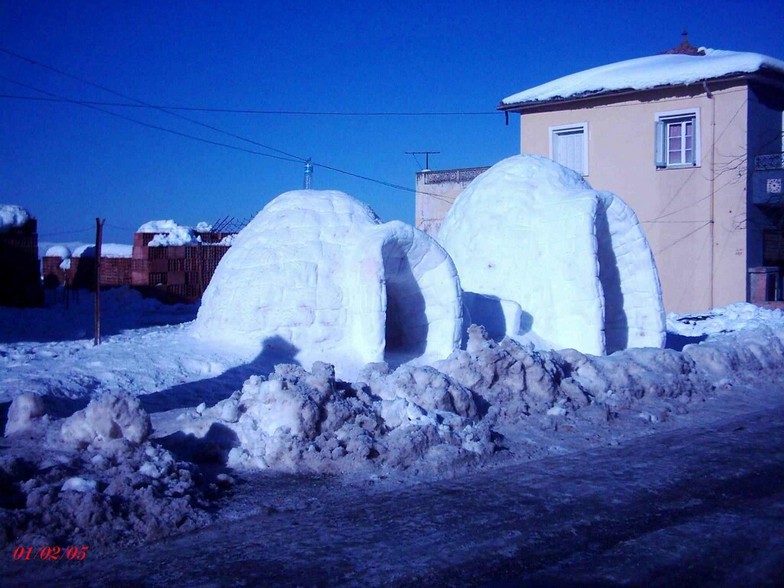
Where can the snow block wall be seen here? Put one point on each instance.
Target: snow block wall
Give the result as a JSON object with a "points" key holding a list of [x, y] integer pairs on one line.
{"points": [[316, 276], [543, 257]]}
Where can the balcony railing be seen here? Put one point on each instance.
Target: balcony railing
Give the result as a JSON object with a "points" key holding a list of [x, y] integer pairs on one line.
{"points": [[458, 176], [771, 161]]}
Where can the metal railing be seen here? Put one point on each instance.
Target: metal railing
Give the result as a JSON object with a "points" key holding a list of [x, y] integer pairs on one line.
{"points": [[771, 161], [458, 176]]}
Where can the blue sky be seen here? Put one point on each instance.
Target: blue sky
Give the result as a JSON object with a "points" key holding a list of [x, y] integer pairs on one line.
{"points": [[69, 164]]}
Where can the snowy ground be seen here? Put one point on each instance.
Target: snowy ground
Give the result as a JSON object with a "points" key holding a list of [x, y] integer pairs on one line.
{"points": [[502, 464]]}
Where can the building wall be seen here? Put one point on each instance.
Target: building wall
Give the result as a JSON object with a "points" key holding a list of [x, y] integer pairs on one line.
{"points": [[436, 191], [693, 217]]}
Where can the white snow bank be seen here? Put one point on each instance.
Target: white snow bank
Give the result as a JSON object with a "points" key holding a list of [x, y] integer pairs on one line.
{"points": [[60, 251], [25, 409], [316, 276], [544, 258], [648, 72], [113, 416], [12, 216], [734, 317], [307, 421]]}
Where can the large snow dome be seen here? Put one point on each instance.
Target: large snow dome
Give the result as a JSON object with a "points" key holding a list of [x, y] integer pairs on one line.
{"points": [[316, 276], [544, 257]]}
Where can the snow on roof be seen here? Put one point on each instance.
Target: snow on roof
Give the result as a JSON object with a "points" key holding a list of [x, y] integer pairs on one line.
{"points": [[158, 226], [12, 216], [646, 73], [107, 250]]}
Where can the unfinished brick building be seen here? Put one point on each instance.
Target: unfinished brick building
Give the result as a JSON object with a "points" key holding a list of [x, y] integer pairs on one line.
{"points": [[20, 277]]}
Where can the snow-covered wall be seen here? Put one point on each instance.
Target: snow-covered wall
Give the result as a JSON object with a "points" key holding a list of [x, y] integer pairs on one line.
{"points": [[12, 216], [316, 276], [543, 257]]}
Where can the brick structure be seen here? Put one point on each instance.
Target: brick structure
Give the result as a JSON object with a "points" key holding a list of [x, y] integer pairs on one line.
{"points": [[20, 278], [115, 271], [173, 274], [176, 273]]}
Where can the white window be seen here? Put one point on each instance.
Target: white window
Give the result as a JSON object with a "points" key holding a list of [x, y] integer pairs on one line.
{"points": [[569, 146], [678, 139]]}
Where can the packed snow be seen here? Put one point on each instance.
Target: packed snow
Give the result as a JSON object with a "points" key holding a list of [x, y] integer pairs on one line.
{"points": [[646, 73], [542, 257], [12, 216], [317, 276]]}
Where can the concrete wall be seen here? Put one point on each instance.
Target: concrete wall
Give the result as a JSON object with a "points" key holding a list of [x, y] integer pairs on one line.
{"points": [[694, 218]]}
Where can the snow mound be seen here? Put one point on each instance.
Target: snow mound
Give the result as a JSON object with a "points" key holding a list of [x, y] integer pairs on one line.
{"points": [[60, 251], [12, 216], [25, 409], [734, 317], [315, 276], [158, 226], [308, 421], [544, 258], [113, 416], [176, 237]]}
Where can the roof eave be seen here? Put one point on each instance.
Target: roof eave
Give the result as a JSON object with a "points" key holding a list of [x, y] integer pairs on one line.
{"points": [[522, 106]]}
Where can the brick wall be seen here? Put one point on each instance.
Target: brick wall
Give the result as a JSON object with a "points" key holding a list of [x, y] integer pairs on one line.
{"points": [[20, 281]]}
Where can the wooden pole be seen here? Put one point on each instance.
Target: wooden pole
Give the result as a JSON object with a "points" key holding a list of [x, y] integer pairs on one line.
{"points": [[98, 239]]}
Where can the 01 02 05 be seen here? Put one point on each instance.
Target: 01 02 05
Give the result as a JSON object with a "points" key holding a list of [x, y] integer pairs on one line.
{"points": [[50, 553]]}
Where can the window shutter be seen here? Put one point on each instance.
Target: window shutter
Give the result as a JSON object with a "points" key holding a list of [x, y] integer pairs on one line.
{"points": [[660, 157]]}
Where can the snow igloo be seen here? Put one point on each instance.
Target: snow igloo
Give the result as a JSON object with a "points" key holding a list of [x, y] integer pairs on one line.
{"points": [[316, 276], [543, 257]]}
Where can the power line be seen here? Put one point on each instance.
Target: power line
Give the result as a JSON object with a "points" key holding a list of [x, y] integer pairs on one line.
{"points": [[152, 126], [136, 100], [257, 111], [289, 157]]}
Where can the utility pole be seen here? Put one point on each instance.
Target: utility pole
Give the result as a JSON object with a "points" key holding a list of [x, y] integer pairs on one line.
{"points": [[308, 182], [427, 155], [98, 240]]}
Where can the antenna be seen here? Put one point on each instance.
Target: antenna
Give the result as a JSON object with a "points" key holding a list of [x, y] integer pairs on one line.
{"points": [[426, 154], [308, 182]]}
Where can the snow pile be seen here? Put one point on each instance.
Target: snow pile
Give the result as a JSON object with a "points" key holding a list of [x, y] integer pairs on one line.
{"points": [[308, 421], [514, 381], [158, 226], [113, 416], [24, 411], [60, 251], [84, 251], [544, 258], [648, 72], [228, 240], [99, 482], [176, 237], [12, 216], [317, 277], [734, 317], [202, 227]]}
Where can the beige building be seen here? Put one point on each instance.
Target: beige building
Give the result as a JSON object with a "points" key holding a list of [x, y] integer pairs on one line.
{"points": [[436, 191], [692, 140]]}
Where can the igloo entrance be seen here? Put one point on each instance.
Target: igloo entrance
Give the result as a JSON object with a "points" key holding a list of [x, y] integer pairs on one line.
{"points": [[405, 324]]}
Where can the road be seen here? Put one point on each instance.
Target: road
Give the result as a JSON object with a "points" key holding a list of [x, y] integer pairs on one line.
{"points": [[696, 506]]}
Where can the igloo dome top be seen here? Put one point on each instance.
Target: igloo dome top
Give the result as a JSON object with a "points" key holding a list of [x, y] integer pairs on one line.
{"points": [[544, 257], [316, 276]]}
